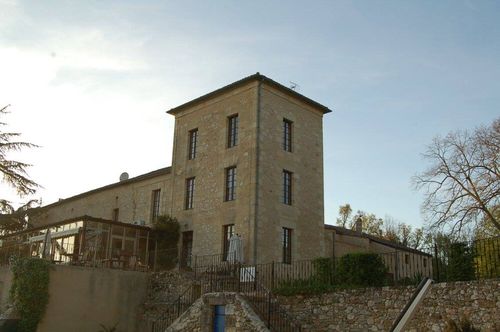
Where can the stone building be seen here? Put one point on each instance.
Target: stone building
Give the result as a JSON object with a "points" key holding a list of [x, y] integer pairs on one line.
{"points": [[247, 159]]}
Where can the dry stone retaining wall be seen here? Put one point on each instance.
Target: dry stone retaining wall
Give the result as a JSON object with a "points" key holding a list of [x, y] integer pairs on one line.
{"points": [[375, 309]]}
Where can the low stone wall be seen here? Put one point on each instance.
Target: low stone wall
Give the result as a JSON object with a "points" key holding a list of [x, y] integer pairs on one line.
{"points": [[239, 316], [479, 301], [375, 309]]}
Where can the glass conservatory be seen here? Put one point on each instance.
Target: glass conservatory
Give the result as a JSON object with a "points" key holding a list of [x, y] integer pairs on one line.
{"points": [[85, 241]]}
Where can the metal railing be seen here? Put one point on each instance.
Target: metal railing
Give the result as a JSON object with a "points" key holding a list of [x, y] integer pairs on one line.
{"points": [[67, 254], [461, 261], [229, 277], [174, 309], [265, 303]]}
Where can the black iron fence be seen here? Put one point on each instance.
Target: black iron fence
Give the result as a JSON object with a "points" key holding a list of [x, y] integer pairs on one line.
{"points": [[265, 303], [230, 277], [174, 309], [400, 266], [461, 261], [442, 262]]}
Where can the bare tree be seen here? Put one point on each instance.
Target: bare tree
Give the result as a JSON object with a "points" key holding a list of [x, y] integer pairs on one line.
{"points": [[462, 185], [14, 172]]}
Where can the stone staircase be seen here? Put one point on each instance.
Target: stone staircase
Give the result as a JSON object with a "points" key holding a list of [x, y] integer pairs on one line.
{"points": [[231, 279]]}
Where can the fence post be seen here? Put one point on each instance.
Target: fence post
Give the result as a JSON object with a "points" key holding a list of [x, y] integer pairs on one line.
{"points": [[269, 310], [195, 261], [156, 255], [238, 275], [255, 278], [436, 259], [396, 267], [272, 275]]}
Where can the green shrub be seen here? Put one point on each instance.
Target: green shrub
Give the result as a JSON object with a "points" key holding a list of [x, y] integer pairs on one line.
{"points": [[167, 230], [460, 262], [324, 270], [167, 233], [30, 291], [361, 270]]}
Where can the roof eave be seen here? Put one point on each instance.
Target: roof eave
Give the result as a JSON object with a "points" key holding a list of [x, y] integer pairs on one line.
{"points": [[254, 77]]}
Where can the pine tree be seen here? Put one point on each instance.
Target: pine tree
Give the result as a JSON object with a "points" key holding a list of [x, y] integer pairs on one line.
{"points": [[14, 172]]}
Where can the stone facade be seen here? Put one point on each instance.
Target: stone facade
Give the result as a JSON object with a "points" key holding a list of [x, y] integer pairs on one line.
{"points": [[257, 212], [402, 262], [375, 309], [239, 316], [131, 197]]}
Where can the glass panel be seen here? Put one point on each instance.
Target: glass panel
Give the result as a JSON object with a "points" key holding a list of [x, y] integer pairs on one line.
{"points": [[116, 247], [117, 230], [141, 250], [129, 247], [130, 232]]}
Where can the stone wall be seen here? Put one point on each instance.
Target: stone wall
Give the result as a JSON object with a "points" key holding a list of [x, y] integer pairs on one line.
{"points": [[164, 288], [132, 198], [257, 213], [375, 309], [305, 215], [239, 316]]}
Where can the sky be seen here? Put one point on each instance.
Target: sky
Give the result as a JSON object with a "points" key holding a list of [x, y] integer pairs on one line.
{"points": [[90, 81]]}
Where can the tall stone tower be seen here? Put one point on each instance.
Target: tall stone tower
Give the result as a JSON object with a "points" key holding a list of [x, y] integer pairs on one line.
{"points": [[248, 160]]}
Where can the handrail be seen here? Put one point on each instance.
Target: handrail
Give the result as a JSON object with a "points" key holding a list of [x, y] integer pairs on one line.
{"points": [[235, 278], [411, 307], [275, 317], [174, 310]]}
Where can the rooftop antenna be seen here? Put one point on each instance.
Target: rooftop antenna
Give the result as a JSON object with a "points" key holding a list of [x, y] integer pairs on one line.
{"points": [[294, 86]]}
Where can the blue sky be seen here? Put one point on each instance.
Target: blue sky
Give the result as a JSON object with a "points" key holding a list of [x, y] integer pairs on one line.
{"points": [[90, 82]]}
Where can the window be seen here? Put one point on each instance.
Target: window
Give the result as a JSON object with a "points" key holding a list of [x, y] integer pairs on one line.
{"points": [[287, 245], [228, 231], [155, 204], [407, 259], [230, 192], [287, 187], [232, 131], [425, 262], [287, 135], [193, 138], [189, 193], [116, 213]]}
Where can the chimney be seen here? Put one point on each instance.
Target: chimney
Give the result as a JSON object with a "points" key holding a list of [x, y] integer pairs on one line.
{"points": [[359, 225]]}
